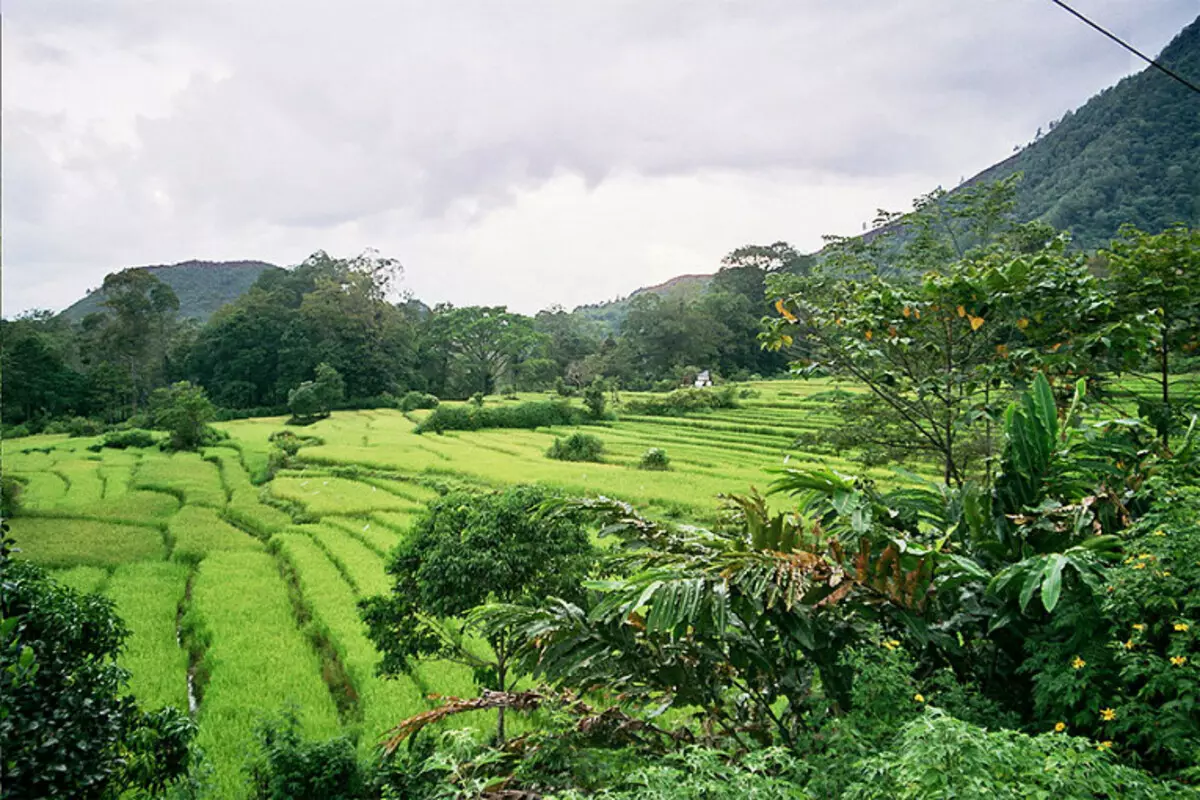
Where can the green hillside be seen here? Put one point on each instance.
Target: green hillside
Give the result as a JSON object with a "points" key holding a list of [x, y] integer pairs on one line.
{"points": [[612, 313], [202, 286], [1130, 154]]}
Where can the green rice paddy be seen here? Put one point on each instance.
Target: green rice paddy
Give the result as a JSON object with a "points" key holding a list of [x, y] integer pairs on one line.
{"points": [[251, 585]]}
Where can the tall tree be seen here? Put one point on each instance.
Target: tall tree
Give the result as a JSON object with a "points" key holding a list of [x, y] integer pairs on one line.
{"points": [[484, 343], [141, 310], [1159, 275]]}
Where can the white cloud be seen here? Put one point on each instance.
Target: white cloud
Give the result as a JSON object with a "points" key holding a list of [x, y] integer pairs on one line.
{"points": [[523, 152]]}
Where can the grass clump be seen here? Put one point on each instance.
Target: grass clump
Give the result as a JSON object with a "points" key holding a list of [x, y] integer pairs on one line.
{"points": [[655, 459], [530, 415], [576, 447]]}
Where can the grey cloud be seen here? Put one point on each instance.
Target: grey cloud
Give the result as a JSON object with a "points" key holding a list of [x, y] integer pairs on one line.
{"points": [[311, 117]]}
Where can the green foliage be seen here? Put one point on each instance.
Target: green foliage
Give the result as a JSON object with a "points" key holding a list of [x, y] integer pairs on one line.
{"points": [[10, 496], [655, 459], [184, 411], [532, 414], [594, 398], [937, 756], [314, 399], [414, 400], [130, 437], [577, 447], [288, 767], [684, 401], [67, 725], [467, 550]]}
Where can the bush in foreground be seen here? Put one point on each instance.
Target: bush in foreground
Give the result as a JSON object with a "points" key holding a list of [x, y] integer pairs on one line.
{"points": [[576, 447], [68, 726]]}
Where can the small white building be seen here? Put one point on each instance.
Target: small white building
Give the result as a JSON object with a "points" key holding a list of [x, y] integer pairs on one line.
{"points": [[703, 379]]}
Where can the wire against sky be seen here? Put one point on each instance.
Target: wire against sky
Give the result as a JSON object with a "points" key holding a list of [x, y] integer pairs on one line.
{"points": [[1129, 47]]}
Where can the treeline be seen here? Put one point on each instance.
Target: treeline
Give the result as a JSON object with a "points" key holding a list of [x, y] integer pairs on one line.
{"points": [[253, 352]]}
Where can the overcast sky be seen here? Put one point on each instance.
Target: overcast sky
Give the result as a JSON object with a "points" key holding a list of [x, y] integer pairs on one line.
{"points": [[519, 153]]}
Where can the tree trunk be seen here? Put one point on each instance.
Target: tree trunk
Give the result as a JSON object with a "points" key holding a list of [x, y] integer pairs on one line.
{"points": [[1166, 386], [501, 675]]}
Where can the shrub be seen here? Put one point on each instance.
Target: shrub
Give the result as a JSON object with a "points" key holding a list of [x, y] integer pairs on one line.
{"points": [[69, 727], [1137, 678], [184, 411], [414, 400], [289, 767], [594, 398], [16, 431], [576, 447], [684, 401], [563, 388], [10, 496], [133, 437], [477, 400], [535, 414], [655, 458], [314, 399], [937, 756]]}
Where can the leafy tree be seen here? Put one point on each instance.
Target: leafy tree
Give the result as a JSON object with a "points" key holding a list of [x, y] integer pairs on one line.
{"points": [[470, 549], [68, 726], [316, 398], [39, 380], [1159, 275], [594, 397], [183, 410], [141, 309], [484, 343]]}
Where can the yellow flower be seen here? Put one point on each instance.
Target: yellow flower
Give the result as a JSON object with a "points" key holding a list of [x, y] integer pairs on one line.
{"points": [[891, 644], [1166, 573], [1138, 626], [1145, 555], [1078, 663], [1160, 532], [920, 698], [1105, 745], [1181, 626], [1107, 714], [1140, 565], [1129, 644], [1023, 323], [962, 312], [1178, 661], [1059, 727], [976, 322]]}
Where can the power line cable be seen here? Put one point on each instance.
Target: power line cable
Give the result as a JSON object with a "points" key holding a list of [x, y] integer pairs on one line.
{"points": [[1129, 47]]}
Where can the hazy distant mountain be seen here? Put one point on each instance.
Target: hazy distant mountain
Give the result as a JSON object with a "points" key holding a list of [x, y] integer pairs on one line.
{"points": [[610, 314], [202, 286]]}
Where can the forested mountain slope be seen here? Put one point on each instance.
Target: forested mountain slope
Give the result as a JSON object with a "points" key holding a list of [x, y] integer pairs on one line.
{"points": [[1130, 154], [201, 286]]}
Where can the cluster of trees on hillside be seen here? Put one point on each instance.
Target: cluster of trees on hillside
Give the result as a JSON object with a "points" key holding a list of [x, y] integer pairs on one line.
{"points": [[256, 351]]}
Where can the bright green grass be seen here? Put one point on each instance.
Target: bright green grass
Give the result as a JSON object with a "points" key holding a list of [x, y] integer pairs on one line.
{"points": [[362, 564], [60, 542], [198, 481], [85, 488], [383, 702], [259, 662], [81, 579], [329, 495], [41, 491], [198, 530], [147, 597], [380, 538]]}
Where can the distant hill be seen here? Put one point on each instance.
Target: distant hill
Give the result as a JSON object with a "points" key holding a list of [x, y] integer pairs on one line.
{"points": [[202, 286], [612, 313], [1130, 154]]}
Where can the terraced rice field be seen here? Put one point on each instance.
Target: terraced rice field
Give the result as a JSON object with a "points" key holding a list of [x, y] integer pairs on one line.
{"points": [[250, 586]]}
